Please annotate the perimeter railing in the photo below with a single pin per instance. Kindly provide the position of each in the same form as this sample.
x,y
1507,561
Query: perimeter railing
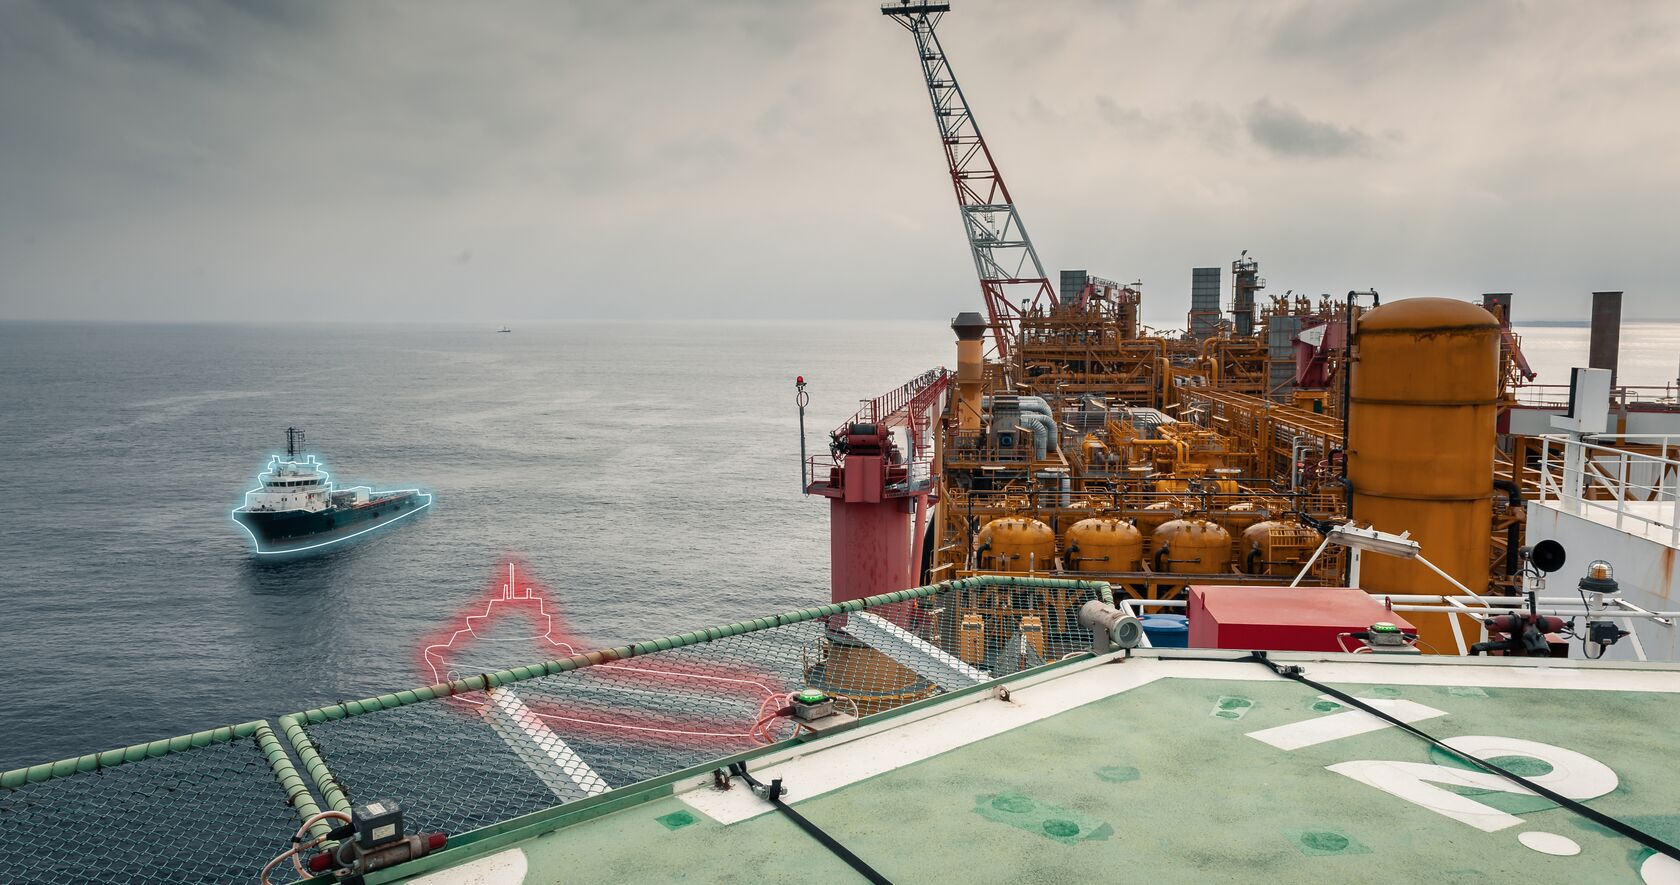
x,y
469,754
465,756
206,807
1634,490
1556,396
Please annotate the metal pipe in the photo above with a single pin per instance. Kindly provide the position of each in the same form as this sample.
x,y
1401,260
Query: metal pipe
x,y
1044,433
1513,533
919,538
89,762
802,398
1347,375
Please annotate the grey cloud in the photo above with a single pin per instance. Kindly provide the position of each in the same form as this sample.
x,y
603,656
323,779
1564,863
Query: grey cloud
x,y
192,160
1204,123
1117,115
1287,132
202,35
1215,126
1340,26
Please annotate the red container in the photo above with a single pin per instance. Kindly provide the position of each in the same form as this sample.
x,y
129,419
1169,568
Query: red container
x,y
1283,618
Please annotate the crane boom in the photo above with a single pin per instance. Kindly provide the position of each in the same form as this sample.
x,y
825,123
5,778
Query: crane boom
x,y
1012,281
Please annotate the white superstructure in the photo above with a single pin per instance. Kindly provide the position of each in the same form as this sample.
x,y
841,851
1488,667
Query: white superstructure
x,y
291,485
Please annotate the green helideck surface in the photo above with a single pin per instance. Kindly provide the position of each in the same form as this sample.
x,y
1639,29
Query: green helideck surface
x,y
1154,785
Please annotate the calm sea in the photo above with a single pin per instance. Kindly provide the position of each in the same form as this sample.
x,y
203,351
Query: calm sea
x,y
649,475
647,472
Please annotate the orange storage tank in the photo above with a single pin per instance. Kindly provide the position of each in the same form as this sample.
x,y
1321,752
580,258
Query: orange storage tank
x,y
1016,544
1192,547
1276,547
1103,545
1425,388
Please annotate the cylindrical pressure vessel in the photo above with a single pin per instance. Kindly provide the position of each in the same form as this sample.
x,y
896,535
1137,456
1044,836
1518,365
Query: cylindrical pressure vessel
x,y
1192,547
1425,387
1016,544
1276,547
1101,544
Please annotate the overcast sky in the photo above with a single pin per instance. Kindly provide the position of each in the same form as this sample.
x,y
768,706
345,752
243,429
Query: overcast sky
x,y
508,161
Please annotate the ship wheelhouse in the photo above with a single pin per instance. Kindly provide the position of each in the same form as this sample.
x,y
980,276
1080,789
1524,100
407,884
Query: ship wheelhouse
x,y
291,485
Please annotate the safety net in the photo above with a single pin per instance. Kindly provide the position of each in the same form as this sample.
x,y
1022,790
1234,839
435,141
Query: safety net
x,y
475,750
490,747
207,807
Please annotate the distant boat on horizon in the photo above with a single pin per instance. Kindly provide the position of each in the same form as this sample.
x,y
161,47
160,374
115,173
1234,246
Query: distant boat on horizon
x,y
504,329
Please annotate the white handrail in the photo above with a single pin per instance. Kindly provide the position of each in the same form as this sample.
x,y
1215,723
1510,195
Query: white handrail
x,y
1594,475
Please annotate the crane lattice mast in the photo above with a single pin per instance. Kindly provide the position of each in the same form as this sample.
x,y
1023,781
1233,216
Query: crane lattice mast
x,y
1012,280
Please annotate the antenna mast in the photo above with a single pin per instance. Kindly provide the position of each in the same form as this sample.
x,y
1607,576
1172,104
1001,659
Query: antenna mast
x,y
294,442
1012,280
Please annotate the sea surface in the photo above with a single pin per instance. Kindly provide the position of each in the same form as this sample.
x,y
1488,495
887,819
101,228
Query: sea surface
x,y
648,474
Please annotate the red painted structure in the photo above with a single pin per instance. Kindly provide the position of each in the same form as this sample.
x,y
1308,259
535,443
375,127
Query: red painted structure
x,y
1312,360
873,485
1283,618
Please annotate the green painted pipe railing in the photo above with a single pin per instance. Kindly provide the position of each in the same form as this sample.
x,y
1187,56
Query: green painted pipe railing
x,y
292,725
291,782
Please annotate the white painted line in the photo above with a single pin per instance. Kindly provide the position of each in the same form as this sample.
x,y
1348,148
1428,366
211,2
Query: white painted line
x,y
565,773
1426,672
502,868
1323,729
824,769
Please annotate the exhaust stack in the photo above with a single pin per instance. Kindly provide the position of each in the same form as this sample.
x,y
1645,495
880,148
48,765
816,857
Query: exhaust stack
x,y
1606,332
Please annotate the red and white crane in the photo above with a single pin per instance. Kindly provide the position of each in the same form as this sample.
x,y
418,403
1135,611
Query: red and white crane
x,y
1012,280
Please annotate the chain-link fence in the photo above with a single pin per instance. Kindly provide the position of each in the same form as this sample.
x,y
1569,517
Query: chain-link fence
x,y
207,807
458,756
477,751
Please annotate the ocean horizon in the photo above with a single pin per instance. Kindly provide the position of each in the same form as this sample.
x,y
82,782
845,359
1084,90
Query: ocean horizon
x,y
646,471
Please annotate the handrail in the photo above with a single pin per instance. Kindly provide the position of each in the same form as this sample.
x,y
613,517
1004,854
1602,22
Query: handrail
x,y
291,782
1631,486
292,724
1557,395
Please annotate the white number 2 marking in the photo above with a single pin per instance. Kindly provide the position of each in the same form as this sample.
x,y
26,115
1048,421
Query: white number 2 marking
x,y
1573,775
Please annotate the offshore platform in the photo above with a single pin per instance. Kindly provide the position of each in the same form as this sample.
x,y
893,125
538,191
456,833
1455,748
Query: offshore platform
x,y
1240,451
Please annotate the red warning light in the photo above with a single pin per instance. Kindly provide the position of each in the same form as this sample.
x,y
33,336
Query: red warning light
x,y
799,380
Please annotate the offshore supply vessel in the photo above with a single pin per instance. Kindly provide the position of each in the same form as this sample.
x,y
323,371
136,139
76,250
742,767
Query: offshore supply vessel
x,y
1337,497
295,507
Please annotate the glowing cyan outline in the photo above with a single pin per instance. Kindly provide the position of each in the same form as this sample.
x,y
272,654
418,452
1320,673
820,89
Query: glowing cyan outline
x,y
273,463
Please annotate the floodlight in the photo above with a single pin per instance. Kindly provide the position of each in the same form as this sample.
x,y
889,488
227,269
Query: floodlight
x,y
1386,543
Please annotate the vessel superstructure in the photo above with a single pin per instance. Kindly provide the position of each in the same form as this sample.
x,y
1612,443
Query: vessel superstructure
x,y
296,506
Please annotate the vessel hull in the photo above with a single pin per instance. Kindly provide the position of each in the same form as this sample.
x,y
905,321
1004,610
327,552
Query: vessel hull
x,y
292,531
